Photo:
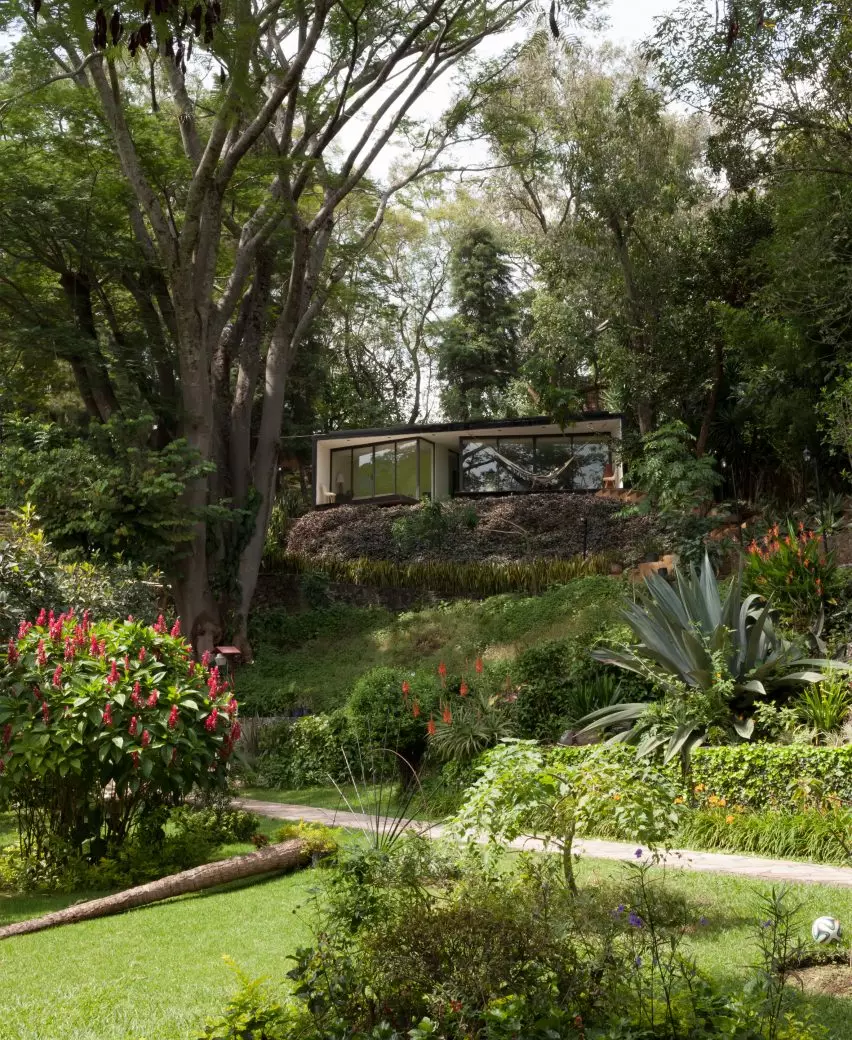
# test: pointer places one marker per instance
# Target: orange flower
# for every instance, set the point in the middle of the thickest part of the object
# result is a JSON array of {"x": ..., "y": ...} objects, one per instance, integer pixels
[
  {"x": 479, "y": 666},
  {"x": 729, "y": 818},
  {"x": 415, "y": 709},
  {"x": 406, "y": 688},
  {"x": 430, "y": 727},
  {"x": 442, "y": 670},
  {"x": 463, "y": 689},
  {"x": 447, "y": 715}
]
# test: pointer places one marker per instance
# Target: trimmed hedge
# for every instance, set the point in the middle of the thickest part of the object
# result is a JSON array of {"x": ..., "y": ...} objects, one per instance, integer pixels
[{"x": 760, "y": 776}]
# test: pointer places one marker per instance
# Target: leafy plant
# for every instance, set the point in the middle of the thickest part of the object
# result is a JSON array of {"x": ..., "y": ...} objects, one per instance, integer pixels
[
  {"x": 524, "y": 792},
  {"x": 674, "y": 479},
  {"x": 101, "y": 722},
  {"x": 477, "y": 578},
  {"x": 825, "y": 706},
  {"x": 714, "y": 653},
  {"x": 793, "y": 574},
  {"x": 312, "y": 750},
  {"x": 471, "y": 723}
]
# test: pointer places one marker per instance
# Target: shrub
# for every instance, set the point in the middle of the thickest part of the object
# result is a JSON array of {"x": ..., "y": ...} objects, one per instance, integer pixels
[
  {"x": 390, "y": 708},
  {"x": 472, "y": 717},
  {"x": 430, "y": 525},
  {"x": 674, "y": 479},
  {"x": 559, "y": 683},
  {"x": 825, "y": 706},
  {"x": 320, "y": 840},
  {"x": 314, "y": 750},
  {"x": 102, "y": 722},
  {"x": 793, "y": 573}
]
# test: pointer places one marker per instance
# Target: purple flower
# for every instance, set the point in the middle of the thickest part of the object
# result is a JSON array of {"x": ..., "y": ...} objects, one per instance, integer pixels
[
  {"x": 703, "y": 921},
  {"x": 638, "y": 962},
  {"x": 638, "y": 853},
  {"x": 617, "y": 911},
  {"x": 635, "y": 920},
  {"x": 765, "y": 924}
]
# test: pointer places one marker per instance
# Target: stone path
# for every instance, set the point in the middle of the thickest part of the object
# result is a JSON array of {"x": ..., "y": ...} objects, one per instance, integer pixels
[{"x": 703, "y": 862}]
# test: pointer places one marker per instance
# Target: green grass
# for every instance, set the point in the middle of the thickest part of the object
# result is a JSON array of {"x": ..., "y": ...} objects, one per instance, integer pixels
[
  {"x": 315, "y": 658},
  {"x": 157, "y": 972}
]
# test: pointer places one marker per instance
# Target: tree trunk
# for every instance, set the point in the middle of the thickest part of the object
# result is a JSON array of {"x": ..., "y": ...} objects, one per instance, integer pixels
[
  {"x": 276, "y": 857},
  {"x": 712, "y": 401}
]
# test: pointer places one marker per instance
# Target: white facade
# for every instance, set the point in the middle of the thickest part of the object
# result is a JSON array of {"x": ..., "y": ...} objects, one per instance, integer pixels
[{"x": 512, "y": 456}]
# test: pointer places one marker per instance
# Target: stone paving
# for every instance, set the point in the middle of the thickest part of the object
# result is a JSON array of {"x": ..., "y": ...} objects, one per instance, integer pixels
[{"x": 704, "y": 862}]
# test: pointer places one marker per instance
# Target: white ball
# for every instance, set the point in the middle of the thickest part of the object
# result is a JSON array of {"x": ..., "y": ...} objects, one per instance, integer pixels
[{"x": 826, "y": 930}]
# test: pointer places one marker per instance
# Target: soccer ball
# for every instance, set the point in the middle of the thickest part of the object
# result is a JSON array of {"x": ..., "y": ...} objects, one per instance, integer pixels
[{"x": 826, "y": 930}]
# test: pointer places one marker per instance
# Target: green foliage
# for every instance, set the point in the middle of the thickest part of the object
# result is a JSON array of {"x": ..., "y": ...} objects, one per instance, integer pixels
[
  {"x": 312, "y": 750},
  {"x": 669, "y": 472},
  {"x": 793, "y": 574},
  {"x": 477, "y": 355},
  {"x": 558, "y": 684},
  {"x": 431, "y": 525},
  {"x": 253, "y": 1012},
  {"x": 471, "y": 721},
  {"x": 390, "y": 708},
  {"x": 522, "y": 790},
  {"x": 32, "y": 575},
  {"x": 101, "y": 722},
  {"x": 713, "y": 653},
  {"x": 825, "y": 707},
  {"x": 448, "y": 576},
  {"x": 107, "y": 491},
  {"x": 320, "y": 840},
  {"x": 815, "y": 835}
]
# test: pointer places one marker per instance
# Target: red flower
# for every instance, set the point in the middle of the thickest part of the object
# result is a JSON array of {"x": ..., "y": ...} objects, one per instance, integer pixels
[
  {"x": 134, "y": 725},
  {"x": 478, "y": 666},
  {"x": 175, "y": 629},
  {"x": 173, "y": 716},
  {"x": 447, "y": 715},
  {"x": 142, "y": 654},
  {"x": 102, "y": 648},
  {"x": 45, "y": 712},
  {"x": 7, "y": 734},
  {"x": 146, "y": 738},
  {"x": 159, "y": 625},
  {"x": 36, "y": 693},
  {"x": 135, "y": 759},
  {"x": 107, "y": 714},
  {"x": 236, "y": 732},
  {"x": 112, "y": 678},
  {"x": 41, "y": 654},
  {"x": 464, "y": 689},
  {"x": 231, "y": 706},
  {"x": 23, "y": 628},
  {"x": 406, "y": 688},
  {"x": 153, "y": 697},
  {"x": 12, "y": 654},
  {"x": 456, "y": 1006},
  {"x": 87, "y": 617},
  {"x": 57, "y": 676},
  {"x": 415, "y": 709},
  {"x": 430, "y": 727},
  {"x": 93, "y": 646},
  {"x": 42, "y": 618},
  {"x": 205, "y": 658},
  {"x": 211, "y": 720},
  {"x": 126, "y": 663},
  {"x": 69, "y": 648},
  {"x": 442, "y": 670}
]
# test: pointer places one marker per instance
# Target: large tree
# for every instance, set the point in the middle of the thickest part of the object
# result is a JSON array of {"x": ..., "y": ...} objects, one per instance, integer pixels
[{"x": 279, "y": 109}]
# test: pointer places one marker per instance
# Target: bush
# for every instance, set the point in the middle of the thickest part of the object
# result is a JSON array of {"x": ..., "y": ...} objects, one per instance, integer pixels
[
  {"x": 431, "y": 524},
  {"x": 793, "y": 573},
  {"x": 307, "y": 752},
  {"x": 390, "y": 708},
  {"x": 33, "y": 575},
  {"x": 101, "y": 723},
  {"x": 559, "y": 683}
]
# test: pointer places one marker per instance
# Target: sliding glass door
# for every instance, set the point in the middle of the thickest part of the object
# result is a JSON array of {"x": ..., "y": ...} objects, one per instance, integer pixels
[{"x": 383, "y": 470}]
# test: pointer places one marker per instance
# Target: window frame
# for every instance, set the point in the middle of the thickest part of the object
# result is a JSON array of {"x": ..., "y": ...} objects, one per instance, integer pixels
[
  {"x": 371, "y": 447},
  {"x": 604, "y": 437}
]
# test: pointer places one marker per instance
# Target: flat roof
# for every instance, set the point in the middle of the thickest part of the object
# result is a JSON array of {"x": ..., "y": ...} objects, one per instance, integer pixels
[{"x": 473, "y": 424}]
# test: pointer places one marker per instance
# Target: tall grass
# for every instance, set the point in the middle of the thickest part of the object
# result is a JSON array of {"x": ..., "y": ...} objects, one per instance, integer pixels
[{"x": 479, "y": 579}]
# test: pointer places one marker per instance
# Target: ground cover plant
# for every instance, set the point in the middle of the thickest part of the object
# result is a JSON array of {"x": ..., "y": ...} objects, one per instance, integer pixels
[{"x": 316, "y": 658}]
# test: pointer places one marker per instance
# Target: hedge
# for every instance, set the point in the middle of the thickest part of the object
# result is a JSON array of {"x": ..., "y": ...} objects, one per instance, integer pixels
[{"x": 761, "y": 776}]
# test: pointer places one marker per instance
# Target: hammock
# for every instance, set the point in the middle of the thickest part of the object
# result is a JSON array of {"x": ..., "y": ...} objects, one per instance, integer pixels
[{"x": 527, "y": 474}]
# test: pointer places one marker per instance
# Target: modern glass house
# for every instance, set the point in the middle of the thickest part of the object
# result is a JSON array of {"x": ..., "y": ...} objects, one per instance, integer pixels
[{"x": 443, "y": 460}]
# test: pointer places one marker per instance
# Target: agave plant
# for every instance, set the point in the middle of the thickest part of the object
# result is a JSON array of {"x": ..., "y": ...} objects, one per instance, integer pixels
[
  {"x": 474, "y": 724},
  {"x": 715, "y": 654}
]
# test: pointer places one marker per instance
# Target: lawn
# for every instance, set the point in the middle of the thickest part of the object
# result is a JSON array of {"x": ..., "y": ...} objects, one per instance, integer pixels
[
  {"x": 157, "y": 972},
  {"x": 313, "y": 659}
]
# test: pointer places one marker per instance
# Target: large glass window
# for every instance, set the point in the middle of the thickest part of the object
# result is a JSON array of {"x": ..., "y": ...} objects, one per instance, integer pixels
[
  {"x": 383, "y": 470},
  {"x": 341, "y": 473},
  {"x": 385, "y": 463},
  {"x": 534, "y": 463},
  {"x": 406, "y": 468},
  {"x": 425, "y": 468},
  {"x": 363, "y": 472}
]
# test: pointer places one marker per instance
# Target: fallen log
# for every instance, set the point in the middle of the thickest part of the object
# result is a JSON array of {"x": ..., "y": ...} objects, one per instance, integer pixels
[{"x": 282, "y": 856}]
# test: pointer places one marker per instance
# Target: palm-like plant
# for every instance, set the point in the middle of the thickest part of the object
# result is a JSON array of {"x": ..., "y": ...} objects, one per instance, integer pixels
[
  {"x": 714, "y": 652},
  {"x": 478, "y": 722}
]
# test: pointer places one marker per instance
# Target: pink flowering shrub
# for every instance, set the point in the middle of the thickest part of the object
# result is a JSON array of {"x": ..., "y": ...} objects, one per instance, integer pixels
[{"x": 100, "y": 721}]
